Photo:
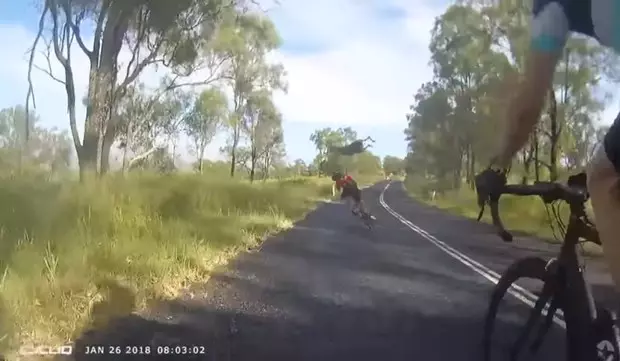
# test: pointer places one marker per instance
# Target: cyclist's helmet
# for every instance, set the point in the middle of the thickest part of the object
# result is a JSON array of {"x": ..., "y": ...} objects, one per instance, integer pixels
[{"x": 336, "y": 176}]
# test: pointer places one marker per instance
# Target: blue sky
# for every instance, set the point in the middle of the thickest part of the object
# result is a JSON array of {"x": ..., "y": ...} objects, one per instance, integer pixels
[{"x": 350, "y": 63}]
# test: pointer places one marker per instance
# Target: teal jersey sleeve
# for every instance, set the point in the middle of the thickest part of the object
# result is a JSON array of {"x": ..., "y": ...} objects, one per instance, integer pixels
[{"x": 550, "y": 27}]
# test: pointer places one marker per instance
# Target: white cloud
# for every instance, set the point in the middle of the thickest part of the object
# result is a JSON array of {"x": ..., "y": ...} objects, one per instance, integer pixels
[
  {"x": 369, "y": 67},
  {"x": 366, "y": 83}
]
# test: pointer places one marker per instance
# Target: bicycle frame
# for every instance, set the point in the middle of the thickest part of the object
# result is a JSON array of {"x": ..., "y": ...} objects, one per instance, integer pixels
[
  {"x": 564, "y": 284},
  {"x": 575, "y": 294}
]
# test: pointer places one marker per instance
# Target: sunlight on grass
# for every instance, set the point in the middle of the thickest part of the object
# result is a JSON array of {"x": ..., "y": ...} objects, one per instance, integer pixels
[{"x": 67, "y": 248}]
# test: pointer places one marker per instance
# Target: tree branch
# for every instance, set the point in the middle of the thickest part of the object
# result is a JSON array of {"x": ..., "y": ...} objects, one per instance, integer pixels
[
  {"x": 99, "y": 30},
  {"x": 30, "y": 93},
  {"x": 75, "y": 28},
  {"x": 135, "y": 53},
  {"x": 48, "y": 71},
  {"x": 138, "y": 69},
  {"x": 69, "y": 83},
  {"x": 55, "y": 37},
  {"x": 143, "y": 155}
]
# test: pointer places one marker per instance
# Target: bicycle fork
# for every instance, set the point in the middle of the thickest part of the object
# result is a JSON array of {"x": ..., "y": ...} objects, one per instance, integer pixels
[{"x": 548, "y": 293}]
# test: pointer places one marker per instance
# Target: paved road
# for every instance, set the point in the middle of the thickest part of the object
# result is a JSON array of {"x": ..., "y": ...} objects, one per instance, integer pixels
[{"x": 330, "y": 290}]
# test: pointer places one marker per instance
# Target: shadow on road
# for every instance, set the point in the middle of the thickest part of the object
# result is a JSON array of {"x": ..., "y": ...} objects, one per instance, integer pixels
[
  {"x": 329, "y": 332},
  {"x": 292, "y": 324}
]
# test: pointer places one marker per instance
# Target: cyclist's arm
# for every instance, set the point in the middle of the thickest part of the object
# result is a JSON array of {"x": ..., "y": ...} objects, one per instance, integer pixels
[{"x": 549, "y": 33}]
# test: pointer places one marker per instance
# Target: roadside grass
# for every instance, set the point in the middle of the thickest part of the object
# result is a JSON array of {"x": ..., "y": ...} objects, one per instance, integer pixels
[
  {"x": 521, "y": 214},
  {"x": 64, "y": 245}
]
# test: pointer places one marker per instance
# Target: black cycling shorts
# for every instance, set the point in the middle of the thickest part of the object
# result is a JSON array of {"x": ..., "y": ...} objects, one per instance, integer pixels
[
  {"x": 611, "y": 144},
  {"x": 351, "y": 191}
]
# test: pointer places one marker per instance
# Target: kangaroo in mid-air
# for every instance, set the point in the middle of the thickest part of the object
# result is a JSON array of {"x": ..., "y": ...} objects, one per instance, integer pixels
[{"x": 356, "y": 147}]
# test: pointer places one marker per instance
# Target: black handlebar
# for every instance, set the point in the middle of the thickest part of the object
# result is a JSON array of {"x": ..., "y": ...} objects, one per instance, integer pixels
[
  {"x": 549, "y": 191},
  {"x": 574, "y": 193}
]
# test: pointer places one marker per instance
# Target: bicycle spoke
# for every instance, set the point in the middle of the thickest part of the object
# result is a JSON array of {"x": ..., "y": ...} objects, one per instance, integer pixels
[
  {"x": 531, "y": 322},
  {"x": 544, "y": 328}
]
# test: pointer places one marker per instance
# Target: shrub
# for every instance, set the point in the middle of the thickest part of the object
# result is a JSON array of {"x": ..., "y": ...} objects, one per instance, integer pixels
[{"x": 64, "y": 244}]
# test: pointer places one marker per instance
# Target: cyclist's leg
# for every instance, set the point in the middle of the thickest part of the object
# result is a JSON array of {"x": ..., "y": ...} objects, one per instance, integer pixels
[
  {"x": 603, "y": 186},
  {"x": 353, "y": 205},
  {"x": 361, "y": 206},
  {"x": 359, "y": 203},
  {"x": 347, "y": 197}
]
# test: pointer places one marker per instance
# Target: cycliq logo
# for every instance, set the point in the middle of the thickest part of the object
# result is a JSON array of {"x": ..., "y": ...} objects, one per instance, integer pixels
[{"x": 45, "y": 350}]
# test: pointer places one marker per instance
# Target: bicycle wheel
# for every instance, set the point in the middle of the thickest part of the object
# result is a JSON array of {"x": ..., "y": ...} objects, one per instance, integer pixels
[
  {"x": 367, "y": 219},
  {"x": 533, "y": 268}
]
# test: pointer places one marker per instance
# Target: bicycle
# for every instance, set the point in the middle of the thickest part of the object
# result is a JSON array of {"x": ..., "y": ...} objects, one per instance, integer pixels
[
  {"x": 590, "y": 328},
  {"x": 367, "y": 218}
]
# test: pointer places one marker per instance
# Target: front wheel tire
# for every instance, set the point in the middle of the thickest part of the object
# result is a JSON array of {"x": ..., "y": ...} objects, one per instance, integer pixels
[{"x": 530, "y": 267}]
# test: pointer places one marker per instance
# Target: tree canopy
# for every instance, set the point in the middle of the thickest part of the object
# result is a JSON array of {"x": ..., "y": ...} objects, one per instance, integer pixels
[
  {"x": 207, "y": 47},
  {"x": 477, "y": 51}
]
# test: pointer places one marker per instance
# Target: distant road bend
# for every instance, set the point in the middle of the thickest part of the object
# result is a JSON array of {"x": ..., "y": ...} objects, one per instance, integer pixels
[{"x": 415, "y": 288}]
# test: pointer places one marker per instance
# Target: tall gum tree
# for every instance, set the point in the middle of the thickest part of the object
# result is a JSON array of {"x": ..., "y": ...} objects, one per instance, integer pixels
[
  {"x": 478, "y": 49},
  {"x": 262, "y": 125},
  {"x": 247, "y": 40},
  {"x": 156, "y": 32},
  {"x": 204, "y": 119}
]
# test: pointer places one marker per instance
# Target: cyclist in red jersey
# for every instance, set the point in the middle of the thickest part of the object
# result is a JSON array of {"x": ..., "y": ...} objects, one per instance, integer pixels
[{"x": 350, "y": 192}]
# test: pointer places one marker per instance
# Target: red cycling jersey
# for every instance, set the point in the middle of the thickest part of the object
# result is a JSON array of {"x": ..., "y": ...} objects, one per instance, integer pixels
[{"x": 346, "y": 180}]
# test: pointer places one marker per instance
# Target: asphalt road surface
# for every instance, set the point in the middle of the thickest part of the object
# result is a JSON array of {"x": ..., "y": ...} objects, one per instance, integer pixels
[{"x": 415, "y": 288}]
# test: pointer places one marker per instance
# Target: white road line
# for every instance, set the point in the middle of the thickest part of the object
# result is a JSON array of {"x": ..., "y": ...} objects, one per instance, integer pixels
[{"x": 517, "y": 291}]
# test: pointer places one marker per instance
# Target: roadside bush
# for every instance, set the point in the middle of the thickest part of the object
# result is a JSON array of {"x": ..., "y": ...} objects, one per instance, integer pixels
[{"x": 63, "y": 244}]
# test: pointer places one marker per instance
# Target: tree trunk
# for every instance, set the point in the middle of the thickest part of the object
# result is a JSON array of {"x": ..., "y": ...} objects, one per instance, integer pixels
[
  {"x": 467, "y": 164},
  {"x": 87, "y": 157},
  {"x": 553, "y": 138},
  {"x": 267, "y": 164},
  {"x": 252, "y": 164},
  {"x": 106, "y": 147},
  {"x": 201, "y": 160},
  {"x": 128, "y": 139},
  {"x": 458, "y": 172},
  {"x": 472, "y": 170},
  {"x": 233, "y": 161},
  {"x": 97, "y": 114},
  {"x": 233, "y": 151},
  {"x": 102, "y": 82}
]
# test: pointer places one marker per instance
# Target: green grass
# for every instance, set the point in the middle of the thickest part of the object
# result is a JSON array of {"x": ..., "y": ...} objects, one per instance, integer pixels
[
  {"x": 67, "y": 248},
  {"x": 524, "y": 214}
]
